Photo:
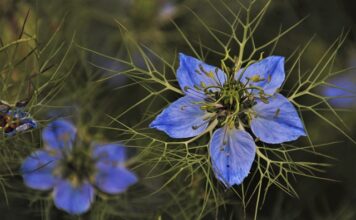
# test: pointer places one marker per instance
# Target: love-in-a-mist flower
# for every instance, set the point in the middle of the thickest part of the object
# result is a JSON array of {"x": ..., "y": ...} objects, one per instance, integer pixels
[
  {"x": 74, "y": 171},
  {"x": 232, "y": 104},
  {"x": 341, "y": 91},
  {"x": 14, "y": 119}
]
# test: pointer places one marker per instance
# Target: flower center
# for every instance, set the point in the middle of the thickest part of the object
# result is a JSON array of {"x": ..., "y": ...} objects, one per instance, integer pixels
[
  {"x": 8, "y": 122},
  {"x": 230, "y": 103},
  {"x": 77, "y": 166}
]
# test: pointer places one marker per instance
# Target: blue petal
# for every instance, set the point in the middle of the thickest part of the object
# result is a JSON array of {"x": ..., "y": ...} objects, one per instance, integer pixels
[
  {"x": 182, "y": 119},
  {"x": 277, "y": 121},
  {"x": 113, "y": 179},
  {"x": 232, "y": 153},
  {"x": 37, "y": 170},
  {"x": 270, "y": 70},
  {"x": 18, "y": 113},
  {"x": 113, "y": 153},
  {"x": 59, "y": 134},
  {"x": 73, "y": 199},
  {"x": 343, "y": 92},
  {"x": 188, "y": 77},
  {"x": 26, "y": 124}
]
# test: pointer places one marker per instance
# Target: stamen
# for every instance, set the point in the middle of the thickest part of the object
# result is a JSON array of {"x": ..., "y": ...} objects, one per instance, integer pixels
[
  {"x": 203, "y": 85},
  {"x": 198, "y": 92},
  {"x": 197, "y": 71},
  {"x": 210, "y": 74},
  {"x": 217, "y": 75},
  {"x": 256, "y": 78},
  {"x": 277, "y": 113},
  {"x": 195, "y": 127},
  {"x": 202, "y": 69},
  {"x": 197, "y": 88}
]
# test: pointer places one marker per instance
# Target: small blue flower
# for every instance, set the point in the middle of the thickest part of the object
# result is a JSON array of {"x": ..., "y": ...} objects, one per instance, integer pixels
[
  {"x": 14, "y": 120},
  {"x": 167, "y": 10},
  {"x": 71, "y": 172},
  {"x": 247, "y": 101},
  {"x": 341, "y": 91}
]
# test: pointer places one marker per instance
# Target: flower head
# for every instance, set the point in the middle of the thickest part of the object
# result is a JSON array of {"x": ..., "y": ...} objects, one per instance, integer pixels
[
  {"x": 74, "y": 173},
  {"x": 341, "y": 91},
  {"x": 247, "y": 99},
  {"x": 13, "y": 119},
  {"x": 167, "y": 10}
]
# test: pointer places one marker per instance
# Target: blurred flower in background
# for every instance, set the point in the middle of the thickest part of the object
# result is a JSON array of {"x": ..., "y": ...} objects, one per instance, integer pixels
[
  {"x": 73, "y": 172},
  {"x": 168, "y": 10},
  {"x": 342, "y": 88},
  {"x": 14, "y": 119}
]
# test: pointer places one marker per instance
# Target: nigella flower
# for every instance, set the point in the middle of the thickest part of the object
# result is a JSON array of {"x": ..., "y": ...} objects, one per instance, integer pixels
[
  {"x": 74, "y": 173},
  {"x": 342, "y": 91},
  {"x": 234, "y": 103},
  {"x": 167, "y": 11},
  {"x": 109, "y": 68},
  {"x": 13, "y": 118}
]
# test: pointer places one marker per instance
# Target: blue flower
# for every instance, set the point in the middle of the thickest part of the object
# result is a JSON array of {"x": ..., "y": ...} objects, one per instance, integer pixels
[
  {"x": 246, "y": 99},
  {"x": 167, "y": 10},
  {"x": 14, "y": 120},
  {"x": 71, "y": 172},
  {"x": 341, "y": 91}
]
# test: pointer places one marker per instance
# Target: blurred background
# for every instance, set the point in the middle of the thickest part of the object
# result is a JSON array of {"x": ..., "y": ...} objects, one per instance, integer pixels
[{"x": 57, "y": 34}]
